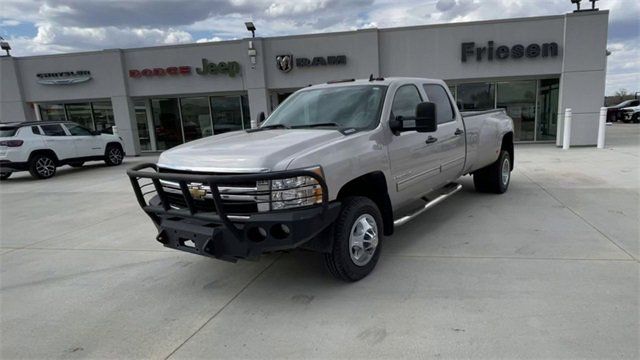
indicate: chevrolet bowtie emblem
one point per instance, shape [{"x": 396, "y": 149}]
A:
[{"x": 197, "y": 192}]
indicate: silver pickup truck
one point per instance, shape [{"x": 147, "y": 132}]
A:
[{"x": 333, "y": 169}]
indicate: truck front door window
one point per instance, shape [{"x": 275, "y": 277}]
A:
[{"x": 405, "y": 102}]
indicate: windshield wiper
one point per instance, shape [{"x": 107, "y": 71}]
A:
[
  {"x": 332, "y": 124},
  {"x": 275, "y": 126}
]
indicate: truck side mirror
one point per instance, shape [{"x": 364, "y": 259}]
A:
[
  {"x": 426, "y": 117},
  {"x": 260, "y": 118},
  {"x": 424, "y": 121}
]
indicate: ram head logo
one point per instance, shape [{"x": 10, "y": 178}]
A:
[{"x": 284, "y": 62}]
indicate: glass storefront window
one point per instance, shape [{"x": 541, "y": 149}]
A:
[
  {"x": 452, "y": 88},
  {"x": 52, "y": 112},
  {"x": 103, "y": 116},
  {"x": 548, "y": 109},
  {"x": 475, "y": 96},
  {"x": 519, "y": 99},
  {"x": 246, "y": 116},
  {"x": 166, "y": 121},
  {"x": 143, "y": 126},
  {"x": 81, "y": 114},
  {"x": 227, "y": 114},
  {"x": 196, "y": 120}
]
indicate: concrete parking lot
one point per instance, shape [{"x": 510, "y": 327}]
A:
[{"x": 548, "y": 270}]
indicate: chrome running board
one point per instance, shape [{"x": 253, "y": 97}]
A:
[{"x": 442, "y": 194}]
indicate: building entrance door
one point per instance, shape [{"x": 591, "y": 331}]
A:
[{"x": 548, "y": 109}]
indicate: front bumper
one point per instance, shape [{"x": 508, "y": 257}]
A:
[{"x": 214, "y": 232}]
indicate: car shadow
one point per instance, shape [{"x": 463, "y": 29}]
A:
[{"x": 64, "y": 171}]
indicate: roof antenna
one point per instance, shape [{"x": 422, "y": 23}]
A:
[{"x": 371, "y": 77}]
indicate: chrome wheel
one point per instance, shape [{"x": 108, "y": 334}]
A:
[
  {"x": 45, "y": 167},
  {"x": 506, "y": 170},
  {"x": 363, "y": 239},
  {"x": 115, "y": 156}
]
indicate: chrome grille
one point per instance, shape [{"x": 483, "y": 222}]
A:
[{"x": 242, "y": 198}]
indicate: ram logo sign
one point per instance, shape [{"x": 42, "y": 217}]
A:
[{"x": 286, "y": 62}]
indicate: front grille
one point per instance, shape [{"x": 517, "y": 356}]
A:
[{"x": 237, "y": 198}]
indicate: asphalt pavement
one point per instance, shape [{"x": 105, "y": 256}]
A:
[{"x": 548, "y": 270}]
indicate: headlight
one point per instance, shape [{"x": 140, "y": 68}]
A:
[{"x": 291, "y": 192}]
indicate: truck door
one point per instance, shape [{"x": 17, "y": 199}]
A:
[
  {"x": 450, "y": 134},
  {"x": 413, "y": 157}
]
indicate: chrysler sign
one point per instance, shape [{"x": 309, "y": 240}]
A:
[{"x": 64, "y": 77}]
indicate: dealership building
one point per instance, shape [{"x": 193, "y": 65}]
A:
[{"x": 159, "y": 97}]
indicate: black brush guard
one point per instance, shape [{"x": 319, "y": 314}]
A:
[{"x": 215, "y": 232}]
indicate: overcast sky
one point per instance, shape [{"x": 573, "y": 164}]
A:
[{"x": 52, "y": 26}]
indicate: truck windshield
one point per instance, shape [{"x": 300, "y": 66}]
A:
[{"x": 356, "y": 107}]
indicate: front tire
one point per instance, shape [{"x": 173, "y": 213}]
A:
[
  {"x": 635, "y": 118},
  {"x": 494, "y": 178},
  {"x": 113, "y": 155},
  {"x": 357, "y": 240},
  {"x": 5, "y": 176},
  {"x": 42, "y": 166}
]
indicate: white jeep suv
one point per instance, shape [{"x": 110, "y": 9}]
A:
[{"x": 41, "y": 146}]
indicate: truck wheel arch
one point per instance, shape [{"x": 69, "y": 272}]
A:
[
  {"x": 373, "y": 186},
  {"x": 507, "y": 145}
]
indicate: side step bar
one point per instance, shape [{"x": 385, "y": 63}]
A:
[{"x": 442, "y": 194}]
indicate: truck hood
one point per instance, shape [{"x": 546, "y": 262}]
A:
[{"x": 245, "y": 152}]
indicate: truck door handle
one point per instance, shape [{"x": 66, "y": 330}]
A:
[
  {"x": 458, "y": 132},
  {"x": 431, "y": 140}
]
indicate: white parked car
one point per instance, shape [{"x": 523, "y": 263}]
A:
[
  {"x": 630, "y": 114},
  {"x": 41, "y": 146}
]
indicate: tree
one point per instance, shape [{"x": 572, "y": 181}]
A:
[{"x": 621, "y": 93}]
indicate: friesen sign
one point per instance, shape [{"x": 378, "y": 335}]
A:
[
  {"x": 469, "y": 50},
  {"x": 64, "y": 77}
]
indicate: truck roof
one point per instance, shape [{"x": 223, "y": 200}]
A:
[{"x": 375, "y": 81}]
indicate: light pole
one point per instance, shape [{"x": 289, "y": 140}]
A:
[
  {"x": 4, "y": 45},
  {"x": 251, "y": 27}
]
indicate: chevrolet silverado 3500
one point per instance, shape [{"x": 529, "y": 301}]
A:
[{"x": 333, "y": 169}]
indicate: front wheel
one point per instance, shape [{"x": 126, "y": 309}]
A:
[
  {"x": 357, "y": 240},
  {"x": 5, "y": 175},
  {"x": 635, "y": 118},
  {"x": 494, "y": 178},
  {"x": 114, "y": 155}
]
